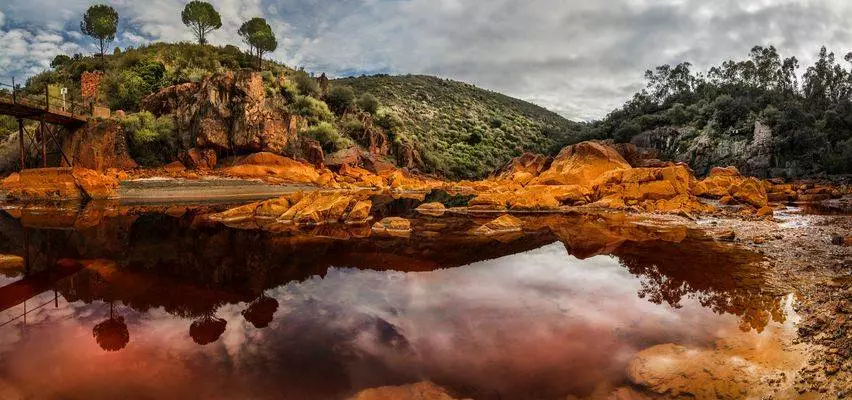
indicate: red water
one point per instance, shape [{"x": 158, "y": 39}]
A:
[{"x": 186, "y": 313}]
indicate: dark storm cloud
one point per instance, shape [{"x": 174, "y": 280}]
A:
[{"x": 580, "y": 58}]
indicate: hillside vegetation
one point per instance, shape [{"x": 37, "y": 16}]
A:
[
  {"x": 454, "y": 129},
  {"x": 464, "y": 131},
  {"x": 711, "y": 118}
]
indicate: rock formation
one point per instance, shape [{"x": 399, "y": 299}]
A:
[
  {"x": 60, "y": 184},
  {"x": 98, "y": 145},
  {"x": 228, "y": 112}
]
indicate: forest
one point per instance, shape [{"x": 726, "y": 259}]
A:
[{"x": 808, "y": 111}]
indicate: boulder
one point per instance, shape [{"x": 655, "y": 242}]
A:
[
  {"x": 360, "y": 213},
  {"x": 60, "y": 184},
  {"x": 500, "y": 225},
  {"x": 420, "y": 390},
  {"x": 533, "y": 198},
  {"x": 581, "y": 164},
  {"x": 749, "y": 191},
  {"x": 269, "y": 165},
  {"x": 98, "y": 145},
  {"x": 684, "y": 372},
  {"x": 524, "y": 168},
  {"x": 94, "y": 184},
  {"x": 197, "y": 158},
  {"x": 434, "y": 209},
  {"x": 393, "y": 226}
]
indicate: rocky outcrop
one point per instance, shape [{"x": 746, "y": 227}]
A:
[
  {"x": 98, "y": 145},
  {"x": 524, "y": 168},
  {"x": 589, "y": 174},
  {"x": 228, "y": 111},
  {"x": 272, "y": 166},
  {"x": 60, "y": 184},
  {"x": 581, "y": 164},
  {"x": 197, "y": 158},
  {"x": 727, "y": 183},
  {"x": 298, "y": 209}
]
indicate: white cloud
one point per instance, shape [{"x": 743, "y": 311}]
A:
[{"x": 576, "y": 57}]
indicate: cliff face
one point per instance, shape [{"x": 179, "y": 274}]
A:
[
  {"x": 99, "y": 145},
  {"x": 229, "y": 112},
  {"x": 703, "y": 150}
]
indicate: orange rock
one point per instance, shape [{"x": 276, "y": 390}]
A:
[
  {"x": 96, "y": 185},
  {"x": 491, "y": 201},
  {"x": 533, "y": 198},
  {"x": 420, "y": 390},
  {"x": 393, "y": 226},
  {"x": 360, "y": 212},
  {"x": 434, "y": 209},
  {"x": 750, "y": 191},
  {"x": 174, "y": 166},
  {"x": 765, "y": 211},
  {"x": 726, "y": 199},
  {"x": 581, "y": 164},
  {"x": 268, "y": 165},
  {"x": 43, "y": 184},
  {"x": 500, "y": 225}
]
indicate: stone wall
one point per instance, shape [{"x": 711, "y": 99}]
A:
[{"x": 90, "y": 83}]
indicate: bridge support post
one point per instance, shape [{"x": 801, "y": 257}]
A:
[
  {"x": 43, "y": 129},
  {"x": 21, "y": 143}
]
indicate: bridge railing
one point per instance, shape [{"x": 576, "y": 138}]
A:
[{"x": 45, "y": 101}]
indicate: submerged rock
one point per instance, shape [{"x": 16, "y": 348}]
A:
[{"x": 420, "y": 390}]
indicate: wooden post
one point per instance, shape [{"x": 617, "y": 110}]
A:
[
  {"x": 43, "y": 129},
  {"x": 14, "y": 92},
  {"x": 21, "y": 142}
]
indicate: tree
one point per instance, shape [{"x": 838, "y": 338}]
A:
[
  {"x": 258, "y": 35},
  {"x": 60, "y": 60},
  {"x": 369, "y": 103},
  {"x": 340, "y": 99},
  {"x": 201, "y": 18},
  {"x": 100, "y": 22}
]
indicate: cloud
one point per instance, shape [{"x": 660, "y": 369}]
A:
[{"x": 576, "y": 57}]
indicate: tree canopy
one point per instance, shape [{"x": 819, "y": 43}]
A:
[
  {"x": 201, "y": 18},
  {"x": 811, "y": 121},
  {"x": 257, "y": 33},
  {"x": 100, "y": 22}
]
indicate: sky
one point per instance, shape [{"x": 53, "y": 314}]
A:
[{"x": 579, "y": 58}]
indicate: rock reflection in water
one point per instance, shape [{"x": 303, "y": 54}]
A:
[{"x": 544, "y": 314}]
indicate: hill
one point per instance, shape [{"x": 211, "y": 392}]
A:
[
  {"x": 461, "y": 130},
  {"x": 435, "y": 125},
  {"x": 751, "y": 113}
]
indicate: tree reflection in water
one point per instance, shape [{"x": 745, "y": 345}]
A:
[
  {"x": 191, "y": 269},
  {"x": 207, "y": 329},
  {"x": 111, "y": 334},
  {"x": 260, "y": 311}
]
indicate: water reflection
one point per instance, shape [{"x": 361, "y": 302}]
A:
[{"x": 307, "y": 315}]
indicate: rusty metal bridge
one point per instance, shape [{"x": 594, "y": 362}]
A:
[{"x": 55, "y": 116}]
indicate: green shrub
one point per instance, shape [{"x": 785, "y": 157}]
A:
[
  {"x": 289, "y": 91},
  {"x": 312, "y": 109},
  {"x": 307, "y": 85},
  {"x": 329, "y": 138},
  {"x": 340, "y": 99},
  {"x": 124, "y": 90},
  {"x": 369, "y": 103},
  {"x": 153, "y": 141},
  {"x": 388, "y": 119}
]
